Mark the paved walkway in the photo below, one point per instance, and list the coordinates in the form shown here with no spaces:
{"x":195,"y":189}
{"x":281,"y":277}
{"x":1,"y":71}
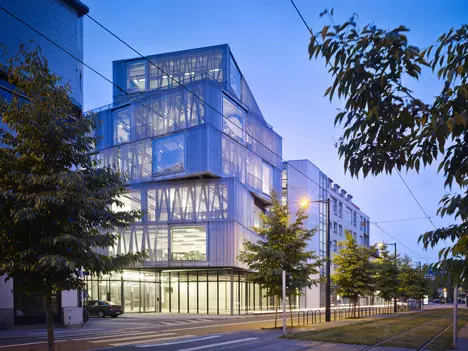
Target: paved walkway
{"x":463,"y":338}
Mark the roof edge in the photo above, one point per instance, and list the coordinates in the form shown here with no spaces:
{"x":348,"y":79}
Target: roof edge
{"x":77,"y":5}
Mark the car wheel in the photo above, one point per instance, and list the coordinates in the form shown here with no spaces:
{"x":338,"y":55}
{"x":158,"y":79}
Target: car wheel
{"x":101,"y":314}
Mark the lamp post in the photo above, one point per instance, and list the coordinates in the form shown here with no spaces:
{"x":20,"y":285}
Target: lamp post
{"x":305,"y":203}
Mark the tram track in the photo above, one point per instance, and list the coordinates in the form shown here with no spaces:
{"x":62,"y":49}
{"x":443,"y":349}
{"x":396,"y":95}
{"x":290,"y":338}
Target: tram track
{"x":426,"y":344}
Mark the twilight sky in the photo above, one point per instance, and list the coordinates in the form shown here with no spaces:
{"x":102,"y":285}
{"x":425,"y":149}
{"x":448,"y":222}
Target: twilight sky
{"x":269,"y":42}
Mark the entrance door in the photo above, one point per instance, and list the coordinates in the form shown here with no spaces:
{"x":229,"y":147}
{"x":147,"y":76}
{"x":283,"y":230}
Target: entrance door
{"x":150,"y":297}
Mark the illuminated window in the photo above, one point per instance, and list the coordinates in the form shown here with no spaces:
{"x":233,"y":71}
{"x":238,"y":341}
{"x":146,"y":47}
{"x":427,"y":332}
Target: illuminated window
{"x":188,"y":243}
{"x":136,"y":76}
{"x":122,"y":126}
{"x":233,"y":121}
{"x":169,"y":154}
{"x":267,"y":178}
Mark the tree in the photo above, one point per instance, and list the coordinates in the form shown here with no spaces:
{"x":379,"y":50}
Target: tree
{"x":387,"y":127}
{"x":55,"y":203}
{"x":386,"y":275}
{"x":282,"y":246}
{"x":411,"y":281}
{"x":353,"y":276}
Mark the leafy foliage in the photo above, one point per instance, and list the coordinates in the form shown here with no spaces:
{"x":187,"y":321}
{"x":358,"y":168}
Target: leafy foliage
{"x":354,"y":274}
{"x":55,"y":204}
{"x":386,"y":275}
{"x":411,"y":281}
{"x":282,"y":246}
{"x":387,"y":127}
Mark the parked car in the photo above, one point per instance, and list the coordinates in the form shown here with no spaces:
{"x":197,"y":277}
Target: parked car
{"x":102,"y":308}
{"x":436,"y":301}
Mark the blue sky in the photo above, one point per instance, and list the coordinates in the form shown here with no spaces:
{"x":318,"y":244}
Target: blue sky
{"x":269,"y":42}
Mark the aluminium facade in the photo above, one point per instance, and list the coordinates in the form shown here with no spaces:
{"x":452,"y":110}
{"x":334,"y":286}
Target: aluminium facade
{"x":202,"y":162}
{"x":303,"y":182}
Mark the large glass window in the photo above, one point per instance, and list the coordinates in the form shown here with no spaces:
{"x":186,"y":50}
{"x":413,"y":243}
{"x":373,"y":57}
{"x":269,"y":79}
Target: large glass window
{"x":234,"y":77}
{"x":169,"y":154}
{"x":267,"y":178}
{"x":121,"y":126}
{"x":233,"y":121}
{"x":188,"y":243}
{"x":136,"y":76}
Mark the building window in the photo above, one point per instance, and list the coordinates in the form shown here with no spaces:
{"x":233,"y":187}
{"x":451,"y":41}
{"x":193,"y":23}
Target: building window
{"x":340,"y":230}
{"x":267,"y":178}
{"x":233,"y":121}
{"x":335,"y":228}
{"x":130,"y":201}
{"x":136,"y":76}
{"x":169,"y":154}
{"x":257,"y":217}
{"x":340,"y":209}
{"x":334,"y":206}
{"x":188,"y":243}
{"x":355,"y":219}
{"x":335,"y":247}
{"x":122,"y":126}
{"x":234,"y":77}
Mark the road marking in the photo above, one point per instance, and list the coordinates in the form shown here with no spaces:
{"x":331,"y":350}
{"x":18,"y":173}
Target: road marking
{"x":152,"y":340}
{"x":219,"y":325}
{"x":61,"y":332}
{"x":218,"y":344}
{"x":129,"y":337}
{"x":28,"y":343}
{"x":181,"y":342}
{"x":116,"y":334}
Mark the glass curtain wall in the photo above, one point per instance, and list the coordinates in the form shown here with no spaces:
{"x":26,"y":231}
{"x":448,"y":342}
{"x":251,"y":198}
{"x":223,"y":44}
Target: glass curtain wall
{"x":189,"y":291}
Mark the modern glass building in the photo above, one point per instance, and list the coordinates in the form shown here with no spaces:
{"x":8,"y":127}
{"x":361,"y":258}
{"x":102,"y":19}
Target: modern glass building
{"x":202,"y":162}
{"x":303,"y":182}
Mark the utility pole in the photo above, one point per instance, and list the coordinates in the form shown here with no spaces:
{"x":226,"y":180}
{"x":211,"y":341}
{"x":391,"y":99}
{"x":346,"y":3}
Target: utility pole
{"x":327,"y":269}
{"x":284,"y":303}
{"x":455,"y":316}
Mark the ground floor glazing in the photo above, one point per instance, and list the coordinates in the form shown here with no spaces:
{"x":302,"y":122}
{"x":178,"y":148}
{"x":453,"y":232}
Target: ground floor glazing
{"x":215,"y":291}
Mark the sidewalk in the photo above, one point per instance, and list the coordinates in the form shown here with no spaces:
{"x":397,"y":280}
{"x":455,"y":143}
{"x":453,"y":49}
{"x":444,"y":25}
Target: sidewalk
{"x":463,"y":338}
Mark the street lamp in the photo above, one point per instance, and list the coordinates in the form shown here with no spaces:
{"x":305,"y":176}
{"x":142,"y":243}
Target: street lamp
{"x":396,"y":266}
{"x":305,"y":203}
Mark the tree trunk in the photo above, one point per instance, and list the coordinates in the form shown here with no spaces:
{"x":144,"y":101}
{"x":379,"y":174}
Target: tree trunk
{"x":290,"y":311}
{"x":49,"y":321}
{"x":276,"y":313}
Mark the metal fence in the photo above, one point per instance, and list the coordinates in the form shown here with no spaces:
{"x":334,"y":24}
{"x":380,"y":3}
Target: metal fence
{"x":306,"y":317}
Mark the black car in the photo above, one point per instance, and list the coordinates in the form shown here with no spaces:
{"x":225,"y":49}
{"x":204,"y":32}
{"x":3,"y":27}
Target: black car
{"x":102,"y":309}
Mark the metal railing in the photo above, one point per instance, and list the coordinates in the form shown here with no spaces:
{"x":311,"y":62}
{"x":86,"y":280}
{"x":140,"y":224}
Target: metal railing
{"x":305,"y":317}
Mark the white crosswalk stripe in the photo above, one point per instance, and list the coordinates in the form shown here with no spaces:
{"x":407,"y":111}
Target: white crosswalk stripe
{"x":203,"y":347}
{"x":181,"y":341}
{"x":121,"y":334}
{"x":130,"y":337}
{"x":151,"y":340}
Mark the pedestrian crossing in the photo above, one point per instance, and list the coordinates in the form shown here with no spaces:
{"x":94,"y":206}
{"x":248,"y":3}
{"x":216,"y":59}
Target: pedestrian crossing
{"x":161,"y":340}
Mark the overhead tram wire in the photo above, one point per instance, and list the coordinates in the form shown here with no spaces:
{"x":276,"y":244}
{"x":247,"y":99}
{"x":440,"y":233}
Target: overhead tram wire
{"x":220,"y":113}
{"x":73,"y":56}
{"x":124,"y":91}
{"x":409,"y":189}
{"x":415,"y":199}
{"x":402,"y":219}
{"x":400,"y":242}
{"x":195,"y":95}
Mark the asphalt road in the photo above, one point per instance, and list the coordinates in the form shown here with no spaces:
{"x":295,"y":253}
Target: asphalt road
{"x":139,"y":334}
